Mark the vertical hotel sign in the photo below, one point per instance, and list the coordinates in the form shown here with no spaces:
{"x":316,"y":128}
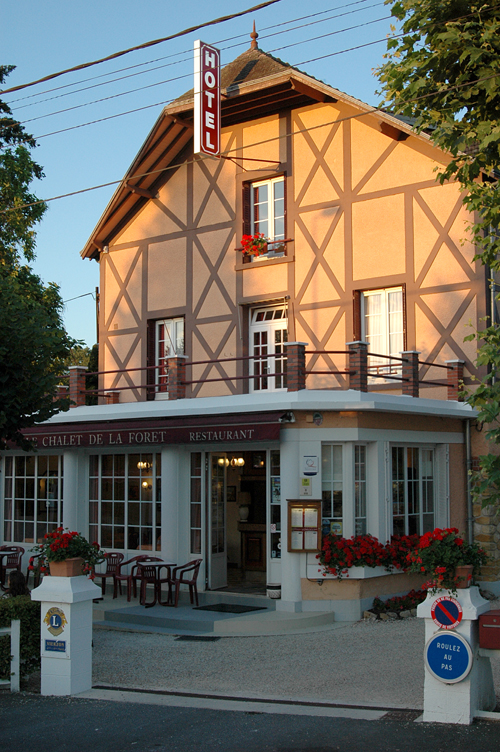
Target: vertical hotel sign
{"x":206,"y":99}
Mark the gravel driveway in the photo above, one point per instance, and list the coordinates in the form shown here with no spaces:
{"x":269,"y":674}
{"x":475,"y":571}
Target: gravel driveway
{"x":365,"y":663}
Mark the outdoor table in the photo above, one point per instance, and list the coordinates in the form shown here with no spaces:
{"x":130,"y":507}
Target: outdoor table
{"x":156,"y":565}
{"x":3,"y":555}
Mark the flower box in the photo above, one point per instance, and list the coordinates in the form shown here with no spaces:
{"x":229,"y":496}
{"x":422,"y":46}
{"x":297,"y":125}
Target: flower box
{"x":67,"y":568}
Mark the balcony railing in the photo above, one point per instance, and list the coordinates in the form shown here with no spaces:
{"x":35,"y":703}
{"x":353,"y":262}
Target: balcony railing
{"x":297,"y":366}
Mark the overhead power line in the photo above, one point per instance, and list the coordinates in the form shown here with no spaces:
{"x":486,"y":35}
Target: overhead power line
{"x":143,"y":46}
{"x":369,"y":111}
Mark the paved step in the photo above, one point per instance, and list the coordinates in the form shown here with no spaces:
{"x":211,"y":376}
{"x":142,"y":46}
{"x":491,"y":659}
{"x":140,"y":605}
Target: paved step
{"x":186,"y":620}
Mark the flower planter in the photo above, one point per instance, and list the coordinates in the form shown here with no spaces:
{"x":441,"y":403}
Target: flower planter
{"x":463,"y":575}
{"x":67,"y":568}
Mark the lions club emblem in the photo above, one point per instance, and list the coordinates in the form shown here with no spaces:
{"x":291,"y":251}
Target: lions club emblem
{"x":55,"y":621}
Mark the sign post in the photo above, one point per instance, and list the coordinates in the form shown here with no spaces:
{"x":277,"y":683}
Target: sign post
{"x":66,"y":633}
{"x":458,"y":682}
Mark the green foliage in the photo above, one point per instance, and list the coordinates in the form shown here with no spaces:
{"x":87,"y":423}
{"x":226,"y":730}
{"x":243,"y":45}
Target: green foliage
{"x":399,"y":602}
{"x":92,"y":382}
{"x":28,"y":611}
{"x":33,"y":342}
{"x":78,"y":356}
{"x":444,"y":73}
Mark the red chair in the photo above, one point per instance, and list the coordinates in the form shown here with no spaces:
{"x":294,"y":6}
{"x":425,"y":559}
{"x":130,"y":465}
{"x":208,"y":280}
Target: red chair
{"x":121,"y":576}
{"x":113,"y":559}
{"x":12,"y":561}
{"x":185,"y":575}
{"x":136,"y":575}
{"x":148,"y":575}
{"x":35,"y":564}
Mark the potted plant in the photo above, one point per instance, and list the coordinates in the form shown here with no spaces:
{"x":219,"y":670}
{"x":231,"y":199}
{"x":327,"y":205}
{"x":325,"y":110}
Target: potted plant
{"x":254,"y":245}
{"x":67,"y":554}
{"x":447,"y":559}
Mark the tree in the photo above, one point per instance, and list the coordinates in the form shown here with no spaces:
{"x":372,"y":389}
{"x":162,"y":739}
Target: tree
{"x":33,"y":341}
{"x":443,"y":71}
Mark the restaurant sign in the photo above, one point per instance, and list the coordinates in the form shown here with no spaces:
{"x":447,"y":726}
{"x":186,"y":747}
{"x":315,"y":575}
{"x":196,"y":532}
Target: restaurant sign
{"x":140,"y":433}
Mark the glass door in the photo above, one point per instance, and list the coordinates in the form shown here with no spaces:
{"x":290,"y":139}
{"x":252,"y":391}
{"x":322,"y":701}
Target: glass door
{"x":216,"y":548}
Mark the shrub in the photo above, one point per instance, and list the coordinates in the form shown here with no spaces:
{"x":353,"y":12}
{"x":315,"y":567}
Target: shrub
{"x":399,"y":603}
{"x":28,"y":611}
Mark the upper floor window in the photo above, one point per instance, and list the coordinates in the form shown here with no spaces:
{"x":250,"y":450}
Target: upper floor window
{"x":165,"y":339}
{"x":382,"y":326}
{"x":268,"y":333}
{"x":264,"y":212}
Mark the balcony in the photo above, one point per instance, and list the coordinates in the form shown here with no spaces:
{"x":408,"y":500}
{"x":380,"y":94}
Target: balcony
{"x":295,"y":372}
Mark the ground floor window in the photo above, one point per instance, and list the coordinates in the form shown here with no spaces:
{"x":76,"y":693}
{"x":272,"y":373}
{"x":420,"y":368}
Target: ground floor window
{"x":275,"y":506}
{"x":33,"y":494}
{"x":125,"y":501}
{"x":413,"y":474}
{"x":195,"y":517}
{"x":360,"y":488}
{"x":332,"y":490}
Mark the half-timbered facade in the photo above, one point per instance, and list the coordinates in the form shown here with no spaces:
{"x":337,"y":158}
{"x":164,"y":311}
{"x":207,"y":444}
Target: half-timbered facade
{"x":207,"y":424}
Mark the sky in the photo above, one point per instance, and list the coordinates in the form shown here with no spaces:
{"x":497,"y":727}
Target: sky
{"x":41,"y":38}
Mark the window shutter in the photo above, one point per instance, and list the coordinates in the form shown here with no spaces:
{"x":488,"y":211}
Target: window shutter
{"x":356,"y":311}
{"x":405,"y":328}
{"x":150,"y":358}
{"x":247,"y":219}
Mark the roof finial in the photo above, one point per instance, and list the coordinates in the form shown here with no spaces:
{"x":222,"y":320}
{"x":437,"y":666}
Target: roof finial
{"x":253,"y":37}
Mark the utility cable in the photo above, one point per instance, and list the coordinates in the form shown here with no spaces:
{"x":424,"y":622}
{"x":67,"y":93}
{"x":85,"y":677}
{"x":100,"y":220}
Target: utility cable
{"x":185,"y":52}
{"x":143,"y":46}
{"x":370,"y":111}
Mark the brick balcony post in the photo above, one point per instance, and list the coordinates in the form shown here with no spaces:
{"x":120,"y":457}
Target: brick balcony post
{"x":176,"y":377}
{"x":296,"y":365}
{"x":455,"y":375}
{"x":77,"y":385}
{"x":358,"y":362}
{"x":410,"y":372}
{"x":112,"y":398}
{"x":62,"y":392}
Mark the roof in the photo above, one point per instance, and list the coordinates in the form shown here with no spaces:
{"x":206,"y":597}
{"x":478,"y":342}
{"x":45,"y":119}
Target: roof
{"x":254,"y":85}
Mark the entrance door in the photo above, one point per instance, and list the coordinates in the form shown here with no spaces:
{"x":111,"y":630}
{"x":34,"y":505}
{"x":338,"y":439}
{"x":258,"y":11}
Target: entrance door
{"x":216,"y":544}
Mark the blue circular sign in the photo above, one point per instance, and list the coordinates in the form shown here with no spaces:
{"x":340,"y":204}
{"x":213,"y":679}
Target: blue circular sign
{"x":448,"y":657}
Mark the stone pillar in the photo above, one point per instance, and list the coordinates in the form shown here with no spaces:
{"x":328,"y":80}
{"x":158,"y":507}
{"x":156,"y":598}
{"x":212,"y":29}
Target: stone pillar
{"x":455,"y":375}
{"x":296,"y":365}
{"x":176,"y":377}
{"x":77,"y":385}
{"x":457,"y":702}
{"x":112,"y":398}
{"x":291,"y":591}
{"x":170,"y":459}
{"x":410,"y":372}
{"x":358,"y":364}
{"x":66,"y":633}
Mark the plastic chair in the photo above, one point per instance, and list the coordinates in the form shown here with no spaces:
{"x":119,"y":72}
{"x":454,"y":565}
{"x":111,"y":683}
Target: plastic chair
{"x":35,"y":567}
{"x":113,"y":559}
{"x":180,"y":576}
{"x":136,"y":574}
{"x":121,"y":576}
{"x":148,"y":575}
{"x":12,"y":561}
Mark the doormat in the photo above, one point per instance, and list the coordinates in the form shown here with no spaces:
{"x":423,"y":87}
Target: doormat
{"x":229,"y":608}
{"x":197,"y":638}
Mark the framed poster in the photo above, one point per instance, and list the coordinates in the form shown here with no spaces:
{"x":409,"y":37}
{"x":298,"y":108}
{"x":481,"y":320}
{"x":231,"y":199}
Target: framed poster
{"x":231,"y":493}
{"x":304,"y":526}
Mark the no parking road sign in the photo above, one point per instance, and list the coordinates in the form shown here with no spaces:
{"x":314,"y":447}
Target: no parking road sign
{"x":448,"y":657}
{"x":446,"y":612}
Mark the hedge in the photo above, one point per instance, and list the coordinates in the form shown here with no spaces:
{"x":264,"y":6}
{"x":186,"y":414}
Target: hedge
{"x":28,"y":611}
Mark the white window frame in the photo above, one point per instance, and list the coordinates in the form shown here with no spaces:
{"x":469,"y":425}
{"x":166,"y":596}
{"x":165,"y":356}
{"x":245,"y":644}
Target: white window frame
{"x":167,"y":347}
{"x":278,"y":249}
{"x":382,"y":366}
{"x":276,"y":360}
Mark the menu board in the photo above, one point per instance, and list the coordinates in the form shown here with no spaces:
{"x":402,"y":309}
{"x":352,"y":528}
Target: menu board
{"x":304,"y":526}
